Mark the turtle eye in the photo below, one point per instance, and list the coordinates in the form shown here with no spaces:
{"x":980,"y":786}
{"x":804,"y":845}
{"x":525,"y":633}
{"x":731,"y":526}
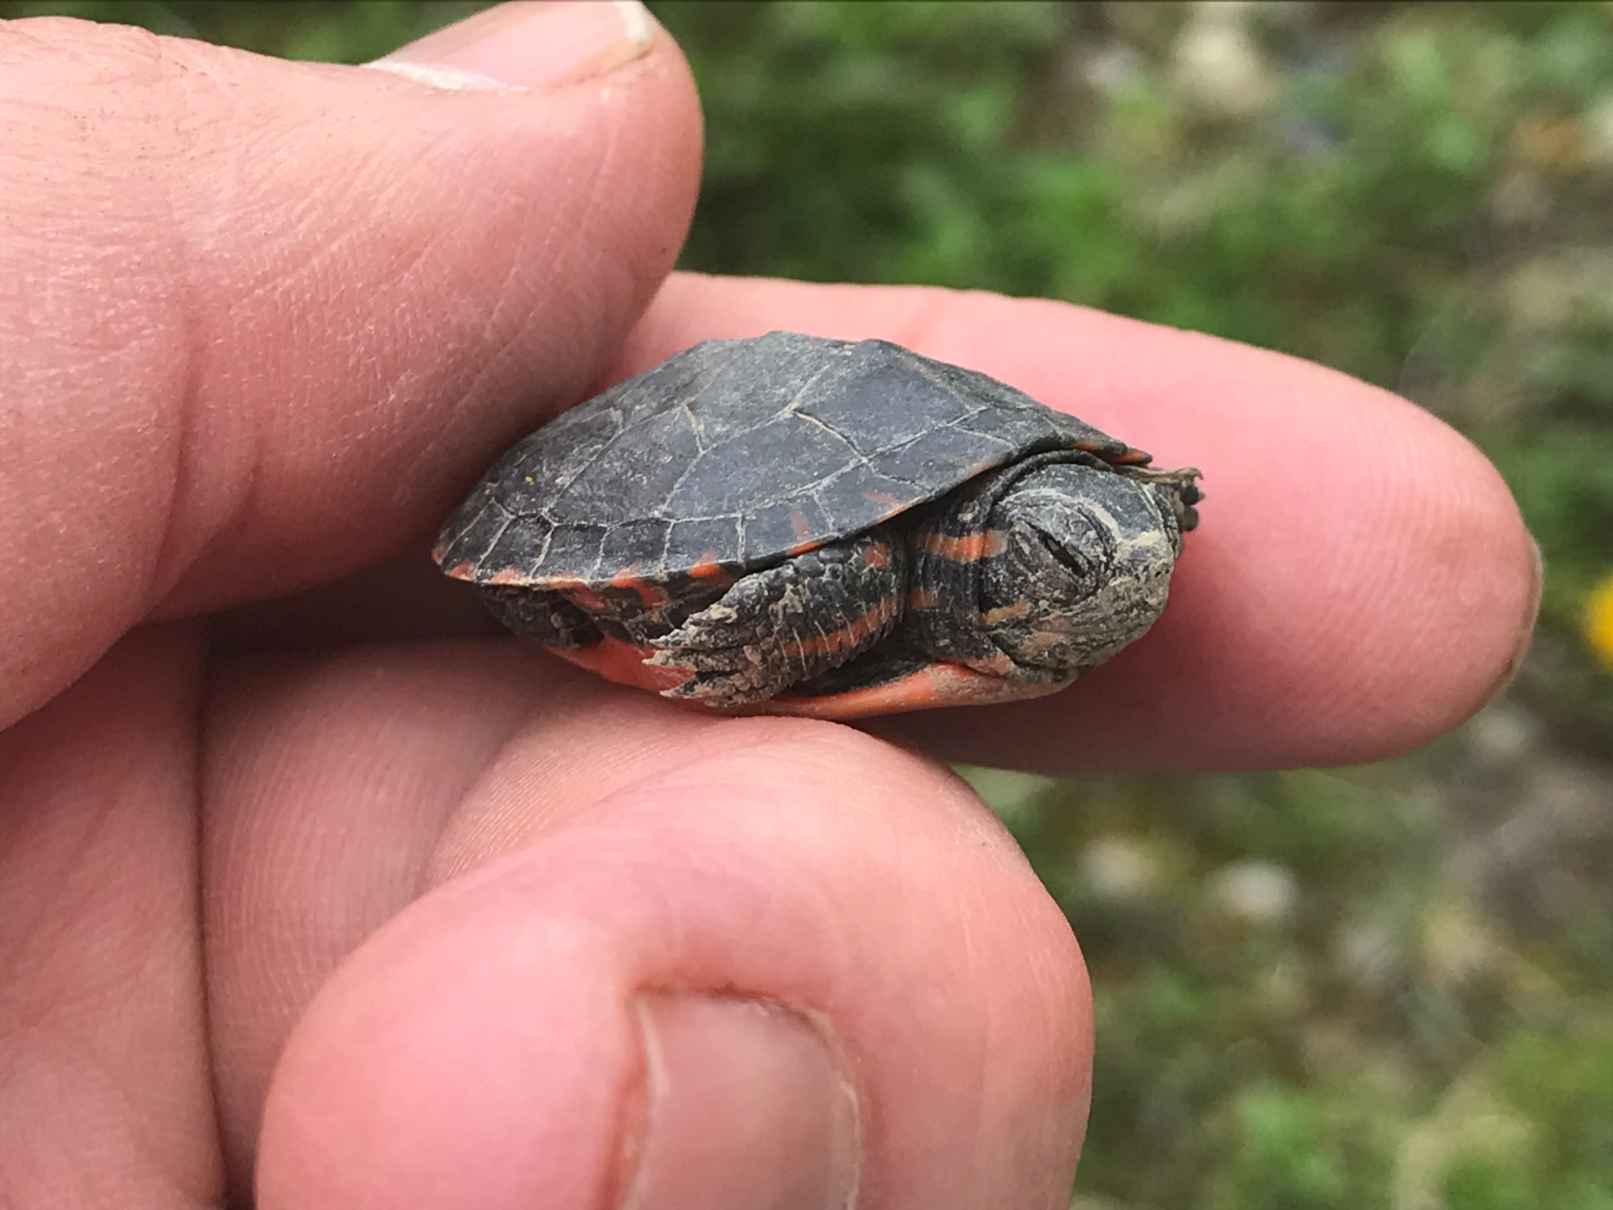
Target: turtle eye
{"x":1054,"y":544}
{"x":1056,"y":551}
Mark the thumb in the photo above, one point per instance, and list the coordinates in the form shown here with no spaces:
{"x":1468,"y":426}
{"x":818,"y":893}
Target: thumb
{"x":259,"y":320}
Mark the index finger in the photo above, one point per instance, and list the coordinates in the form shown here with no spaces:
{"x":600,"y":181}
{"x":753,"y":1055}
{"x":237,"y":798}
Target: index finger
{"x":247,"y":301}
{"x":1361,"y":580}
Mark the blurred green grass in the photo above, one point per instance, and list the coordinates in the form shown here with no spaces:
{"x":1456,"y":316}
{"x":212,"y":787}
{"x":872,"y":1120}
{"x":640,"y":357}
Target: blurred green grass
{"x":1383,"y":986}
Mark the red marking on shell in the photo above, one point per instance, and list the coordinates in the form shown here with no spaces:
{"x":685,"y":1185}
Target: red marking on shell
{"x":707,"y":567}
{"x":876,"y":555}
{"x":507,"y":575}
{"x":587,"y":598}
{"x":461,"y":570}
{"x":928,"y":688}
{"x":650,"y":595}
{"x":799,"y":526}
{"x":883,"y":499}
{"x":621,"y":663}
{"x":1128,"y":455}
{"x":970,"y":548}
{"x":801,"y":548}
{"x":923,"y":598}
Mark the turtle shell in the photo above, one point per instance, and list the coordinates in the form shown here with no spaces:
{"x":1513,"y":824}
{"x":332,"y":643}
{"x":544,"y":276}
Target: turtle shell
{"x":737,"y":453}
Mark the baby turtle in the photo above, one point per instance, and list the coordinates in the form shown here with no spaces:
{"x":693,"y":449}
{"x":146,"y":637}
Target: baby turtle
{"x":796,"y":525}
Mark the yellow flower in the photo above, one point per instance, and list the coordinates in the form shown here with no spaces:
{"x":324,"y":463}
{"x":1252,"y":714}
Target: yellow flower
{"x":1599,"y":620}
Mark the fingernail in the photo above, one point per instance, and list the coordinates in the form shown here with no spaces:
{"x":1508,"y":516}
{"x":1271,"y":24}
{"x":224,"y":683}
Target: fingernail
{"x":746,"y":1107}
{"x":531,"y":44}
{"x":1526,"y":632}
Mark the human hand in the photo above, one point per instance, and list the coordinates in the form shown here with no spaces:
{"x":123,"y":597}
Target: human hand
{"x":335,"y":889}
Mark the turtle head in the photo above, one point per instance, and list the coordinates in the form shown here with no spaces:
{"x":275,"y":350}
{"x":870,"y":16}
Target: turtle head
{"x":1074,"y":563}
{"x":1089,"y":552}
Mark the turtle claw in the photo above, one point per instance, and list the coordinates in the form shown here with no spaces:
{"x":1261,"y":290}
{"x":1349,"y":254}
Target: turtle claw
{"x":1180,"y":487}
{"x":714,"y":676}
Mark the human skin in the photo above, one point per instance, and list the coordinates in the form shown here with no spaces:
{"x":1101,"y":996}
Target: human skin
{"x":314,"y":892}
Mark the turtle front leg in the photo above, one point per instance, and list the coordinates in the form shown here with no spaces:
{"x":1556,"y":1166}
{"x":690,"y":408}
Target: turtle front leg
{"x":779,"y":627}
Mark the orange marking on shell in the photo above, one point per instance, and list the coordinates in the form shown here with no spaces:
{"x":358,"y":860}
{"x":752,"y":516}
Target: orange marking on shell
{"x":707,"y":567}
{"x":507,"y":575}
{"x":924,"y":689}
{"x":876,"y":555}
{"x":1130,"y":456}
{"x":621,"y":663}
{"x":799,"y":526}
{"x":587,"y":598}
{"x":923,"y":598}
{"x":650,"y":595}
{"x":882,"y":499}
{"x":461,"y":570}
{"x":970,"y":548}
{"x":801,"y":548}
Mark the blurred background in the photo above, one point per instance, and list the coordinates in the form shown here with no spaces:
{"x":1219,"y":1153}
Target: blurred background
{"x":1382,"y":986}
